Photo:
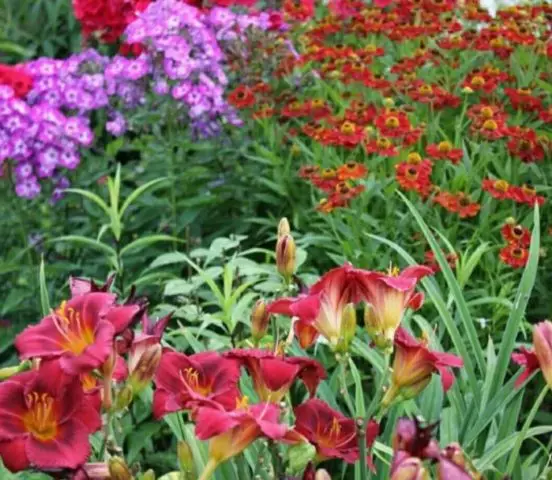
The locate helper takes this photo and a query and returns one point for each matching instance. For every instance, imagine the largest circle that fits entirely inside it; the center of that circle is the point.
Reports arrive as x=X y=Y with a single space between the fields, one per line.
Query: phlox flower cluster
x=182 y=61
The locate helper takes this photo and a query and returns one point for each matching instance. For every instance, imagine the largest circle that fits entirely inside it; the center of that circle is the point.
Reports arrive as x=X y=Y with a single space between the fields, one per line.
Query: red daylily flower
x=80 y=332
x=387 y=297
x=45 y=420
x=527 y=359
x=417 y=441
x=273 y=375
x=542 y=340
x=185 y=382
x=232 y=432
x=414 y=177
x=526 y=194
x=333 y=434
x=413 y=365
x=323 y=307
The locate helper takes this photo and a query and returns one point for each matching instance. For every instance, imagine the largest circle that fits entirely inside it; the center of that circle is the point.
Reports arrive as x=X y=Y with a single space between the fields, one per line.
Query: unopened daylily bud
x=148 y=475
x=185 y=458
x=300 y=455
x=286 y=256
x=388 y=102
x=410 y=469
x=322 y=474
x=283 y=227
x=96 y=471
x=348 y=327
x=145 y=367
x=118 y=469
x=542 y=340
x=259 y=320
x=8 y=372
x=510 y=221
x=124 y=398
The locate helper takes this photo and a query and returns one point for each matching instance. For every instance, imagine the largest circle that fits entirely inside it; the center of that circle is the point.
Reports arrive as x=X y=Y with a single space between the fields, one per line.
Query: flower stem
x=209 y=469
x=361 y=434
x=522 y=434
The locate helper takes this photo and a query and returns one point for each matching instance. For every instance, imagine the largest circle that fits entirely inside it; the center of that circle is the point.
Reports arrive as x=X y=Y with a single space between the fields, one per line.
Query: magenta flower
x=80 y=333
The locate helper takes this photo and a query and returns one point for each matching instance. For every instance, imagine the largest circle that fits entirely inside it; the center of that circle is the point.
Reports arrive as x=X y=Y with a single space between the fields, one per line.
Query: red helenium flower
x=186 y=382
x=45 y=420
x=80 y=332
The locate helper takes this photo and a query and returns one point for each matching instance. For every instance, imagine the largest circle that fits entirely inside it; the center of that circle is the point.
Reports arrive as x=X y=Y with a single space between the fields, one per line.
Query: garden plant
x=278 y=239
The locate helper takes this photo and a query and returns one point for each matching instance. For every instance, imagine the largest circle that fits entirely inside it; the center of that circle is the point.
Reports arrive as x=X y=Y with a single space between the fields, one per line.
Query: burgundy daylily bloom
x=273 y=375
x=80 y=332
x=416 y=440
x=333 y=434
x=303 y=326
x=413 y=365
x=45 y=420
x=231 y=432
x=186 y=382
x=528 y=359
x=387 y=297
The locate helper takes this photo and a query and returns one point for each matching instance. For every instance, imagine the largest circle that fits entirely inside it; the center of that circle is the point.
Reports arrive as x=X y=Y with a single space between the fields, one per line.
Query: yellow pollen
x=444 y=147
x=328 y=173
x=414 y=158
x=348 y=128
x=383 y=142
x=242 y=403
x=487 y=112
x=490 y=125
x=393 y=271
x=528 y=189
x=40 y=419
x=76 y=335
x=478 y=81
x=501 y=185
x=392 y=122
x=425 y=89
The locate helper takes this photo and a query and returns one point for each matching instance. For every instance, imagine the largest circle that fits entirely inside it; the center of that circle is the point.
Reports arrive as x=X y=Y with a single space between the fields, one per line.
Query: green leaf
x=139 y=191
x=89 y=242
x=456 y=290
x=505 y=446
x=360 y=407
x=44 y=301
x=139 y=439
x=149 y=240
x=520 y=304
x=91 y=196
